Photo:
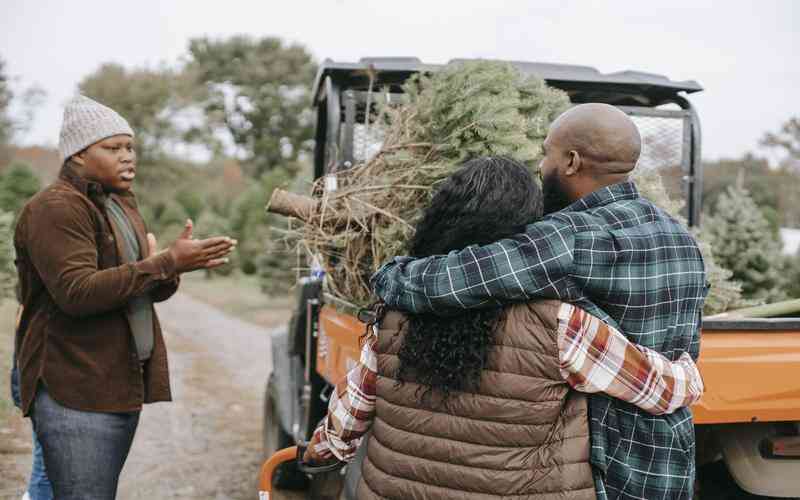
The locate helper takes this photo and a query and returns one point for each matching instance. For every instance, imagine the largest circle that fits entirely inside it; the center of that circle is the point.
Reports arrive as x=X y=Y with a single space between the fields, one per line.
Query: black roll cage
x=341 y=92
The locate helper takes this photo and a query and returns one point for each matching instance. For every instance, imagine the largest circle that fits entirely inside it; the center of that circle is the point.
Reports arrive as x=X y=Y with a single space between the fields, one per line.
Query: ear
x=574 y=164
x=79 y=158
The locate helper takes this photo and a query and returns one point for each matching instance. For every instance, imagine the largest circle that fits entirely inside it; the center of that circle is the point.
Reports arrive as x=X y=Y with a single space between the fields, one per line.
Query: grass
x=239 y=296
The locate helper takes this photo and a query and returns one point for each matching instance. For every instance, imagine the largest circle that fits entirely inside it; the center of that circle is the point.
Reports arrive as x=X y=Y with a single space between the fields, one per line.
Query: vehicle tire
x=716 y=483
x=286 y=475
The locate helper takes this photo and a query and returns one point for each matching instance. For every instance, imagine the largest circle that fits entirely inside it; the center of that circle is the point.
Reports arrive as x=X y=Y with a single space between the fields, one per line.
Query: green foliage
x=6 y=125
x=791 y=273
x=258 y=91
x=725 y=293
x=743 y=241
x=774 y=190
x=172 y=214
x=8 y=272
x=786 y=140
x=276 y=268
x=249 y=223
x=148 y=98
x=279 y=261
x=463 y=111
x=482 y=108
x=191 y=201
x=17 y=184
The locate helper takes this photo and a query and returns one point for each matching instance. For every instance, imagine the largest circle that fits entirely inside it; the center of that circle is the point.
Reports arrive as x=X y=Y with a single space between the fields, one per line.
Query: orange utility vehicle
x=749 y=417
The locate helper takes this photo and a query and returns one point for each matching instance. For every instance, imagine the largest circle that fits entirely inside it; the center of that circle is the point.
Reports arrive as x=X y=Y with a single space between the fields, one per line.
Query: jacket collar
x=90 y=189
x=609 y=194
x=87 y=188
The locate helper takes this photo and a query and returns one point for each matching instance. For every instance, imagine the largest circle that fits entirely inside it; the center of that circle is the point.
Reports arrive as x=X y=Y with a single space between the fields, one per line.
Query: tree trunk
x=292 y=205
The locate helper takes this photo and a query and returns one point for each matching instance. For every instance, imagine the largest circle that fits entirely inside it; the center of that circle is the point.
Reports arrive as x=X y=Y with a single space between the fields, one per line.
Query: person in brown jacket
x=89 y=346
x=491 y=403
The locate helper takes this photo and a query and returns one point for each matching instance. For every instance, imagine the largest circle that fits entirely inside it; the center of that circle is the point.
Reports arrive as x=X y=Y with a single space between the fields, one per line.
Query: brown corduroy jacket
x=523 y=435
x=74 y=335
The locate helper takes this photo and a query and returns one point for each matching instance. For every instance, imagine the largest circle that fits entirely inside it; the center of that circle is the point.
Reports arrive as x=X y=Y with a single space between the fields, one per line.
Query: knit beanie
x=86 y=122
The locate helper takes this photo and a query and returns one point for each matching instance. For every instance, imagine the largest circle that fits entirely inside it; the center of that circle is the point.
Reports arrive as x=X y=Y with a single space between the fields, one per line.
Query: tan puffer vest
x=523 y=435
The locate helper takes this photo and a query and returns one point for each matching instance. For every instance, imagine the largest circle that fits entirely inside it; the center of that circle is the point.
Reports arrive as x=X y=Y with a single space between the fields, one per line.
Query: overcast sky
x=745 y=54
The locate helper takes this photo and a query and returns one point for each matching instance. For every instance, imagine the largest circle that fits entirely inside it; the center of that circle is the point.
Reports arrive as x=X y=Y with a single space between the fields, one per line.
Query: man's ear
x=574 y=163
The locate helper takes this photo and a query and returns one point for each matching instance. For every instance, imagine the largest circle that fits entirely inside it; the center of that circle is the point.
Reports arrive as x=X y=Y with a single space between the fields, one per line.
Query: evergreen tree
x=168 y=223
x=248 y=226
x=725 y=293
x=481 y=108
x=278 y=260
x=791 y=272
x=17 y=185
x=172 y=214
x=743 y=241
x=8 y=272
x=191 y=201
x=277 y=265
x=6 y=125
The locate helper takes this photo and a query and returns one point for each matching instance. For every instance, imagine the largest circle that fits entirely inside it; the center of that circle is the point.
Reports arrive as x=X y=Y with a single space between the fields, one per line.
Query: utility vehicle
x=748 y=418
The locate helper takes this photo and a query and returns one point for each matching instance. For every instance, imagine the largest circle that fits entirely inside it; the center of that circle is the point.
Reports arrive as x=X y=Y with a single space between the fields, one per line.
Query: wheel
x=286 y=475
x=716 y=483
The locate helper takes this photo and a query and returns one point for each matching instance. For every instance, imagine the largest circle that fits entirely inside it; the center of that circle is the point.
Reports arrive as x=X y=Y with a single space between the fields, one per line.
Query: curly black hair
x=485 y=200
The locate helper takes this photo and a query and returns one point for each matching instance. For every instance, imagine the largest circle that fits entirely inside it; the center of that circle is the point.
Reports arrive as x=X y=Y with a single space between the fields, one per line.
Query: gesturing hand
x=190 y=254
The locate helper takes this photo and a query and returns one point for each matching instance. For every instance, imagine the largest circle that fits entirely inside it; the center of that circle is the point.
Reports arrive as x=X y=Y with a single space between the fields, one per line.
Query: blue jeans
x=39 y=487
x=83 y=451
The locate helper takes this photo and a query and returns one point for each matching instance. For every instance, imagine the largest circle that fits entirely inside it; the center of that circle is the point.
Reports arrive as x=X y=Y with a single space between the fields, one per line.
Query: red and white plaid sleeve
x=596 y=357
x=350 y=410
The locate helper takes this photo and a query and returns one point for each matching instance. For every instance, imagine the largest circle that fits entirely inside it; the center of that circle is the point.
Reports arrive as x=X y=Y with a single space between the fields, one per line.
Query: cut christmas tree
x=464 y=111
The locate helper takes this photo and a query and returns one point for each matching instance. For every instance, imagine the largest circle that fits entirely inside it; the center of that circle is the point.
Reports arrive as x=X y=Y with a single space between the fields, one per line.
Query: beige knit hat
x=86 y=122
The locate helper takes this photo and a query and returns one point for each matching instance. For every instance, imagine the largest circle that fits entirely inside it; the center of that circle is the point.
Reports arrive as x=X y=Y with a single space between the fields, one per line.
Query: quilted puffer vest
x=523 y=435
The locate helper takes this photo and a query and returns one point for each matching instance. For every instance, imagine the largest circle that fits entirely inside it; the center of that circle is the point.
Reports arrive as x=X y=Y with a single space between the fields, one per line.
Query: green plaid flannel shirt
x=619 y=257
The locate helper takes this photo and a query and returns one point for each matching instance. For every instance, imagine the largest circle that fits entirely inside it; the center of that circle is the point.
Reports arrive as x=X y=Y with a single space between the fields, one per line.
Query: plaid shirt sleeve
x=350 y=411
x=536 y=263
x=596 y=357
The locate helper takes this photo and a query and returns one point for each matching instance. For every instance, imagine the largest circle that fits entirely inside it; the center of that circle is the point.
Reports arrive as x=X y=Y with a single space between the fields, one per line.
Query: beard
x=555 y=196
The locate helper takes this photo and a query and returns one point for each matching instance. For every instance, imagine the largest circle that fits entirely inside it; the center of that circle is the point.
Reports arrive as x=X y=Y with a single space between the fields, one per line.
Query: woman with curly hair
x=491 y=403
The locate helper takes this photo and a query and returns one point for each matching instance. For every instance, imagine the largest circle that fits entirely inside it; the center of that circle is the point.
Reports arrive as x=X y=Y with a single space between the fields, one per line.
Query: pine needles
x=467 y=110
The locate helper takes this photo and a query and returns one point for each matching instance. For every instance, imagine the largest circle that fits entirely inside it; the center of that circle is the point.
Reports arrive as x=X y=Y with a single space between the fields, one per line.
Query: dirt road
x=206 y=444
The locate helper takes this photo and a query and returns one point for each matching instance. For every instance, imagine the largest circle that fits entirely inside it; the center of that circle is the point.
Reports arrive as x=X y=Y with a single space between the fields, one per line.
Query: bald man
x=589 y=147
x=611 y=252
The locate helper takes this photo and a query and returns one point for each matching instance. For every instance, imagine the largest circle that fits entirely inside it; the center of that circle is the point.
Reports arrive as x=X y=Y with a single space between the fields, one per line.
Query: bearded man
x=611 y=252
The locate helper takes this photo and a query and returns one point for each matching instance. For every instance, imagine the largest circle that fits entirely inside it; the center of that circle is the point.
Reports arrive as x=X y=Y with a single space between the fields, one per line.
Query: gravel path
x=206 y=444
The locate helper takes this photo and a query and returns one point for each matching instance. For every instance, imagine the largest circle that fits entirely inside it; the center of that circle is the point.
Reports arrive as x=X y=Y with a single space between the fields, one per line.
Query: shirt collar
x=609 y=194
